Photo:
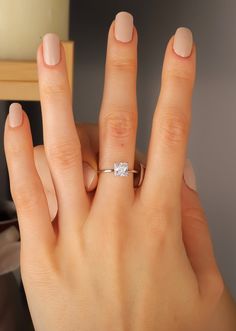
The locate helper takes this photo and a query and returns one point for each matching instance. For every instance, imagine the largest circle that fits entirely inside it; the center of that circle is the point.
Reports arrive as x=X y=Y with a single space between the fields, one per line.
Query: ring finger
x=171 y=124
x=118 y=115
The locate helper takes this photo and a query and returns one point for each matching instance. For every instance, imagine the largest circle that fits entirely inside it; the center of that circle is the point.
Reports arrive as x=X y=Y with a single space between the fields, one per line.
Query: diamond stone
x=121 y=169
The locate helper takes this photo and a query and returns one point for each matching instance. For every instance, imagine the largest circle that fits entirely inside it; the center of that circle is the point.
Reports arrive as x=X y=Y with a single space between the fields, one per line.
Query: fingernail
x=15 y=115
x=189 y=175
x=183 y=42
x=51 y=49
x=124 y=27
x=89 y=175
x=52 y=204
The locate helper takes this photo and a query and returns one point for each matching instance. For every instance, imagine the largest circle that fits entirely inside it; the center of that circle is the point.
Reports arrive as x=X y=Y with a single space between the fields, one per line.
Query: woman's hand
x=117 y=261
x=88 y=136
x=194 y=224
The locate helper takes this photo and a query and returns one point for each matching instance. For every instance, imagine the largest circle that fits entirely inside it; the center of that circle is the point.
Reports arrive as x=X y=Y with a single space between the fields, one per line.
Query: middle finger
x=62 y=145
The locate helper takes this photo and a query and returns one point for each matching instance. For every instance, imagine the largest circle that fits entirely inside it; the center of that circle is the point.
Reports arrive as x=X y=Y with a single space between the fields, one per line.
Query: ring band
x=112 y=170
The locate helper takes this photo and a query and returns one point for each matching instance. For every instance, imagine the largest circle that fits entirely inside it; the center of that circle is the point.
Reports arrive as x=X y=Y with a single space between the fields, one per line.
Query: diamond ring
x=121 y=169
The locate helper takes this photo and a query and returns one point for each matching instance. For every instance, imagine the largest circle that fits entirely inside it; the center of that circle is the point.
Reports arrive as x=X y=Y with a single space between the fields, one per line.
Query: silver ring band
x=112 y=170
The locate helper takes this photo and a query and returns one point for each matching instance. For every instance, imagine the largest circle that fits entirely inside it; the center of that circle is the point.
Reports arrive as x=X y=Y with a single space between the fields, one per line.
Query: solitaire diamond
x=121 y=169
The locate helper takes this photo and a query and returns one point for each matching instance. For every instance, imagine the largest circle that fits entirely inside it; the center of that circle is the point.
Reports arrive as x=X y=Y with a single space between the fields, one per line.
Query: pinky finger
x=26 y=187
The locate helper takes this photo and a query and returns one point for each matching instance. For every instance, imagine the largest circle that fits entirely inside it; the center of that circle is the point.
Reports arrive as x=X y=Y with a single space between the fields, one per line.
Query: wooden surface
x=19 y=79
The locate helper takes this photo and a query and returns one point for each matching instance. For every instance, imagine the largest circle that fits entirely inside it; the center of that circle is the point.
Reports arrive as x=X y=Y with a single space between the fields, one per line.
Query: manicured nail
x=189 y=175
x=183 y=42
x=90 y=176
x=124 y=27
x=52 y=204
x=51 y=49
x=15 y=115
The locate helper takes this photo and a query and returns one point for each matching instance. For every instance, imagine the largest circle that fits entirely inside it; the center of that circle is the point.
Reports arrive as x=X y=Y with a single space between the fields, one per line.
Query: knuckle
x=122 y=63
x=38 y=269
x=26 y=195
x=158 y=226
x=160 y=218
x=54 y=88
x=64 y=155
x=196 y=214
x=15 y=150
x=120 y=123
x=174 y=128
x=180 y=76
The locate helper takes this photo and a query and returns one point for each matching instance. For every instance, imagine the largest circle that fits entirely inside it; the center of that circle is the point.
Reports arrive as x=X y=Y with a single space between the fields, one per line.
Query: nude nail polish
x=15 y=115
x=51 y=49
x=89 y=175
x=124 y=27
x=183 y=42
x=189 y=175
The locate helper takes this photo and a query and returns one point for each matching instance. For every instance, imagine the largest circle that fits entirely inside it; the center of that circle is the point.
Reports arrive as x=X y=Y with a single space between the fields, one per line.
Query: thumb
x=196 y=236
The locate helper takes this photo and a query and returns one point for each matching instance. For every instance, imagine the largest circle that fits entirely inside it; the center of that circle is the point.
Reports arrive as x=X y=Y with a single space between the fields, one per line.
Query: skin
x=118 y=259
x=89 y=136
x=224 y=317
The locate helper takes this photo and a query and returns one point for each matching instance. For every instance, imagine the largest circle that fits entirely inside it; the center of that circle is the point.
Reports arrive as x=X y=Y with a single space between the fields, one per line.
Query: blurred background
x=212 y=146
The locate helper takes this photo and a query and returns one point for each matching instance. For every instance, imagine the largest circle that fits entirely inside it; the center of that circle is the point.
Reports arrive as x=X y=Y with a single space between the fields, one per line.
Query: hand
x=88 y=136
x=194 y=224
x=117 y=262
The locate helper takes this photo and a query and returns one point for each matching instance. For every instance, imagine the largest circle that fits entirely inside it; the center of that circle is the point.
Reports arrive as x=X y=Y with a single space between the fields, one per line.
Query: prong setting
x=121 y=169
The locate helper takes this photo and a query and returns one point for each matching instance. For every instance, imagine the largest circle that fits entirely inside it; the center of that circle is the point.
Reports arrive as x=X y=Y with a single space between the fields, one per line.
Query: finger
x=171 y=121
x=62 y=145
x=88 y=135
x=118 y=115
x=26 y=187
x=197 y=238
x=89 y=139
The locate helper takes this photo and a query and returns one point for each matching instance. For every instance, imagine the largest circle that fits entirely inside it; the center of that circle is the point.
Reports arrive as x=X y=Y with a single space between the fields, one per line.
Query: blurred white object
x=9 y=250
x=24 y=22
